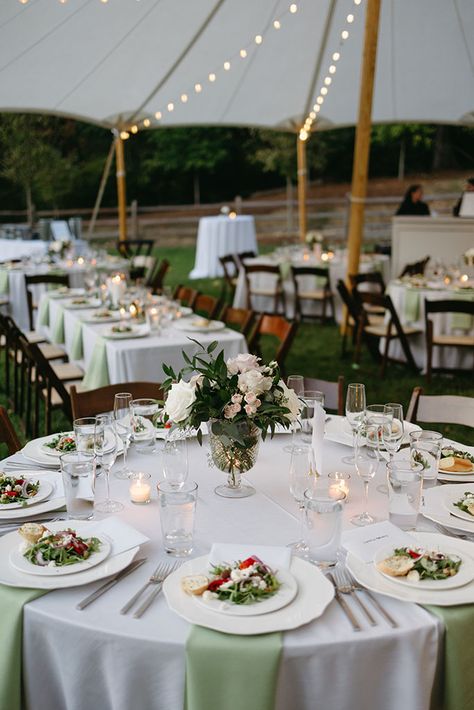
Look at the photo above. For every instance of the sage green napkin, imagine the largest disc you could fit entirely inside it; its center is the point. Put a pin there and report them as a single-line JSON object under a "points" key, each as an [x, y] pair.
{"points": [[12, 600], [43, 310], [411, 305], [462, 321], [3, 281], [458, 686], [231, 672], [97, 374], [285, 269], [77, 350], [57, 334]]}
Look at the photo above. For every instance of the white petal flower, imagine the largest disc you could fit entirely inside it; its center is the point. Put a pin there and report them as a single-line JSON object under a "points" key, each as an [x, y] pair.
{"points": [[180, 398]]}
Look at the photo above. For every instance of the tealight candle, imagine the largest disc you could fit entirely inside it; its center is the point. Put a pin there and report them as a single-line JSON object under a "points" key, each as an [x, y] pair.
{"points": [[80, 260], [140, 488], [464, 278], [339, 484], [324, 256], [154, 318]]}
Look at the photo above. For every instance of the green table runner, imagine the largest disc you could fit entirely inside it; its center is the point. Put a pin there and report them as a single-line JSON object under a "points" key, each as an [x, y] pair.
{"points": [[97, 374], [411, 305], [4, 281], [43, 311], [231, 672], [12, 600], [57, 333], [77, 350]]}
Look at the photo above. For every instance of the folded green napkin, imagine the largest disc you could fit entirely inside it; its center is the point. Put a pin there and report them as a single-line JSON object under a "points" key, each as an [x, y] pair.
{"points": [[57, 333], [411, 305], [231, 672], [97, 374], [12, 600], [3, 281], [43, 310], [458, 676], [77, 351]]}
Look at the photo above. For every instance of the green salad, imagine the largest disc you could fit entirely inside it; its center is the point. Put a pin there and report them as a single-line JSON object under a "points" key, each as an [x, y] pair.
{"points": [[62, 442], [429, 564], [62, 548], [466, 503], [17, 490], [243, 582]]}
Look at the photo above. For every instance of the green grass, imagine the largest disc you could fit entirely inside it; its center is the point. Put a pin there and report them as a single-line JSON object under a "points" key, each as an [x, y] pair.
{"points": [[316, 352]]}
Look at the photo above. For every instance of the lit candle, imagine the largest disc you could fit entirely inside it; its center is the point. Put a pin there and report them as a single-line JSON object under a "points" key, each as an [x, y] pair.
{"points": [[340, 484], [232, 215], [140, 488], [464, 278], [133, 310], [80, 260], [324, 257]]}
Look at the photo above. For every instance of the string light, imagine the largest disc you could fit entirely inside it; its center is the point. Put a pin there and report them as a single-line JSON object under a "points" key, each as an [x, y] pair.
{"points": [[323, 91], [197, 88], [276, 24], [327, 80], [336, 56], [124, 135], [184, 98], [243, 53], [332, 69], [293, 8], [344, 34], [134, 129], [146, 122], [158, 115], [258, 39], [226, 66], [212, 77], [170, 107], [350, 18]]}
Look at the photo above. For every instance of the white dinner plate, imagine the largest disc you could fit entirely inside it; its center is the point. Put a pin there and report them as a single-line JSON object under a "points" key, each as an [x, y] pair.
{"points": [[435, 509], [368, 576], [20, 563], [25, 514], [33, 450], [337, 429], [52, 452], [44, 491], [14, 578], [459, 474], [185, 311], [90, 303], [280, 599], [94, 319], [314, 594], [464, 575], [451, 497], [194, 325], [456, 477], [136, 332], [67, 293]]}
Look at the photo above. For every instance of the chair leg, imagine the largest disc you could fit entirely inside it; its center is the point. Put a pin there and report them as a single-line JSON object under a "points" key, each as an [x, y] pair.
{"points": [[383, 366]]}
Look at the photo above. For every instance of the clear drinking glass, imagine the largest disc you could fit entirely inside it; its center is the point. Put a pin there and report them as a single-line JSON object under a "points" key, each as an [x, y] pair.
{"points": [[78, 474], [425, 448], [323, 519], [177, 512], [302, 477], [105, 448], [393, 429], [84, 433], [310, 399], [366, 469], [405, 483], [355, 414], [123, 426], [175, 462], [144, 417], [296, 383]]}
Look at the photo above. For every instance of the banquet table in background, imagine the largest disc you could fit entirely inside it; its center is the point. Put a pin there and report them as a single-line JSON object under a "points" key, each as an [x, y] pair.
{"points": [[337, 270], [218, 236], [99, 658], [409, 302], [22, 248]]}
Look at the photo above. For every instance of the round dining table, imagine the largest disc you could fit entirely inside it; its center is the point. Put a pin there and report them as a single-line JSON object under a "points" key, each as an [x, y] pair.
{"points": [[219, 236], [99, 658]]}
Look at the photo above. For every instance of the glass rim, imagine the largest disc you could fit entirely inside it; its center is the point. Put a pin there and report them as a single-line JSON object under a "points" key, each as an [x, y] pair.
{"points": [[425, 434], [406, 466], [80, 421], [139, 476], [185, 487], [86, 455], [320, 497], [138, 402]]}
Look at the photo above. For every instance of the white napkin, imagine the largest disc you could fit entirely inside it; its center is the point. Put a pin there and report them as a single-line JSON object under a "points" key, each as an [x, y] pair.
{"points": [[364, 542], [122, 535], [274, 557], [319, 417]]}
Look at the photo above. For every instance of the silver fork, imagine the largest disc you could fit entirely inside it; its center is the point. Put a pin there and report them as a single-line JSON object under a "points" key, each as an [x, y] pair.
{"points": [[388, 617], [155, 578], [345, 586], [453, 533], [142, 609]]}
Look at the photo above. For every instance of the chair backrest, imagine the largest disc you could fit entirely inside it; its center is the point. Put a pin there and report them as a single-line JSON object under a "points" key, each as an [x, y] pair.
{"points": [[372, 277], [144, 262], [348, 300], [242, 255], [156, 280], [60, 231], [48, 375], [317, 271], [8, 434], [135, 247], [417, 267], [98, 401], [32, 280], [241, 317], [449, 306], [333, 392], [186, 295], [207, 306], [230, 269], [281, 329], [440, 409]]}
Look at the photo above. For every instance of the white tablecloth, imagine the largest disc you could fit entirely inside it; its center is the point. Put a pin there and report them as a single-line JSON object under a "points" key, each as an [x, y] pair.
{"points": [[452, 357], [98, 658], [19, 248], [218, 236], [337, 270]]}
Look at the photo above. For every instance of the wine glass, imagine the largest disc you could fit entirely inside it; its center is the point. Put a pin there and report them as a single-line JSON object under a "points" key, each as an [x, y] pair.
{"points": [[302, 476], [355, 413], [377, 415], [366, 469], [296, 383], [175, 462], [105, 449], [393, 429], [123, 425]]}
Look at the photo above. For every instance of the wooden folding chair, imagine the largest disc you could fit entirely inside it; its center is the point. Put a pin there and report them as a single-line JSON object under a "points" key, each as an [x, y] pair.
{"points": [[319, 294], [240, 318], [333, 392], [93, 402], [276, 293], [230, 269], [31, 280], [278, 327], [156, 280], [8, 434], [441, 340], [129, 248], [186, 295], [440, 409], [207, 306]]}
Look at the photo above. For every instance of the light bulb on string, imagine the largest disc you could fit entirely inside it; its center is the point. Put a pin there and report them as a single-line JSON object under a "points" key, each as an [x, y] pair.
{"points": [[258, 39], [276, 24], [212, 77], [197, 88], [332, 69], [158, 115], [293, 8], [336, 56], [170, 107], [344, 34], [323, 91], [134, 129], [327, 80], [226, 66], [146, 122], [243, 53], [350, 18], [184, 98]]}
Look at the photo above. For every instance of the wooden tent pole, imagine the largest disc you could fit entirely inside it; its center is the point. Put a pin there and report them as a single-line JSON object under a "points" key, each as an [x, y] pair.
{"points": [[100, 194], [301, 163], [362, 140], [121, 187]]}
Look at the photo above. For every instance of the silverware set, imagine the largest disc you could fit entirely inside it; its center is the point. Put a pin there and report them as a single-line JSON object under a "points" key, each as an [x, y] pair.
{"points": [[156, 580]]}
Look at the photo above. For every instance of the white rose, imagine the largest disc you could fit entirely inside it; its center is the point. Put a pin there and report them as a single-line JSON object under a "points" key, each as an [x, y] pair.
{"points": [[242, 363], [180, 398], [291, 401], [254, 381]]}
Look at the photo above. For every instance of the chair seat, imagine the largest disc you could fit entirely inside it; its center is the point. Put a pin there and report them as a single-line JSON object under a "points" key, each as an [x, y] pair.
{"points": [[318, 295], [376, 319], [52, 352], [33, 336], [381, 330], [68, 371], [461, 340], [56, 400], [376, 310], [4, 301], [265, 292]]}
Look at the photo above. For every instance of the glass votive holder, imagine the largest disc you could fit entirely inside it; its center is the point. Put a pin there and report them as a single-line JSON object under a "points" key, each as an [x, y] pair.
{"points": [[140, 488], [339, 483]]}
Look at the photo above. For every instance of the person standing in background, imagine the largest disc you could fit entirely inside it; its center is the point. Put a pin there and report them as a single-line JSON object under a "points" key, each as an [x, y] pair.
{"points": [[413, 204], [469, 187]]}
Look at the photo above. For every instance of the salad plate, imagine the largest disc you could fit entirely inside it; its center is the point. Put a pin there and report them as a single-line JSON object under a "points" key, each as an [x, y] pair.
{"points": [[34, 491], [66, 292], [460, 503], [449, 476], [337, 429], [79, 303], [33, 451], [314, 594], [126, 331], [199, 325], [59, 444], [368, 576], [103, 316], [435, 508]]}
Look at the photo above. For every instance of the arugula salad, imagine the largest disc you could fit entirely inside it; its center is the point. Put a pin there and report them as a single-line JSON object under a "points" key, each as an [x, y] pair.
{"points": [[466, 503], [243, 582], [17, 490], [62, 442], [62, 548], [428, 564]]}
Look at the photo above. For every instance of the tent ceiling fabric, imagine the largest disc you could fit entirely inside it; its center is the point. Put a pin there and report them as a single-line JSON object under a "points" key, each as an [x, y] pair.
{"points": [[101, 62]]}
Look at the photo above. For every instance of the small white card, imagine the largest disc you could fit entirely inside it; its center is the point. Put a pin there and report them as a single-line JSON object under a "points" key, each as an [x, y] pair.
{"points": [[364, 542], [122, 535]]}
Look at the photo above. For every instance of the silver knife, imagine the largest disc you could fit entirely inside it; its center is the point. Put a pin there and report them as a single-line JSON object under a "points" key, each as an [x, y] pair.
{"points": [[108, 585]]}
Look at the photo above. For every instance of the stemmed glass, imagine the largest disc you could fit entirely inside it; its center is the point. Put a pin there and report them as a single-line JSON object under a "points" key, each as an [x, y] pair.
{"points": [[302, 476], [105, 449], [296, 383], [175, 462], [366, 471], [355, 413], [123, 425], [393, 429]]}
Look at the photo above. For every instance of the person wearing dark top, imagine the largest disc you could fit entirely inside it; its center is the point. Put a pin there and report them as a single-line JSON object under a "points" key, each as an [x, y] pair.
{"points": [[413, 204], [468, 188]]}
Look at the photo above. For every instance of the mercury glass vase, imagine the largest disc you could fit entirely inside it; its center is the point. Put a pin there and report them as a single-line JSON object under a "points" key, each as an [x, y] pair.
{"points": [[234, 457]]}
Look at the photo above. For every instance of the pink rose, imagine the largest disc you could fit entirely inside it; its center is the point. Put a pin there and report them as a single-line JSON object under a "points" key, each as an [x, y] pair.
{"points": [[242, 363], [236, 398]]}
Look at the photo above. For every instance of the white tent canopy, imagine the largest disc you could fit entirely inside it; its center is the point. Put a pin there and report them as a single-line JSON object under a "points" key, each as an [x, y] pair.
{"points": [[119, 62]]}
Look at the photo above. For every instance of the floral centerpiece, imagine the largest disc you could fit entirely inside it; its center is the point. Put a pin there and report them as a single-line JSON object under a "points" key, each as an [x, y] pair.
{"points": [[469, 257], [315, 240], [58, 248], [241, 400]]}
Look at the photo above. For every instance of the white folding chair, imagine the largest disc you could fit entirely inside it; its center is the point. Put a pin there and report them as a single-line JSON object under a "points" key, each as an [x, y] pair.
{"points": [[440, 409]]}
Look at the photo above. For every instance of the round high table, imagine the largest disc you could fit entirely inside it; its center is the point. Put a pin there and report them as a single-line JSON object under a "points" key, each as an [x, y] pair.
{"points": [[218, 236], [100, 658]]}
